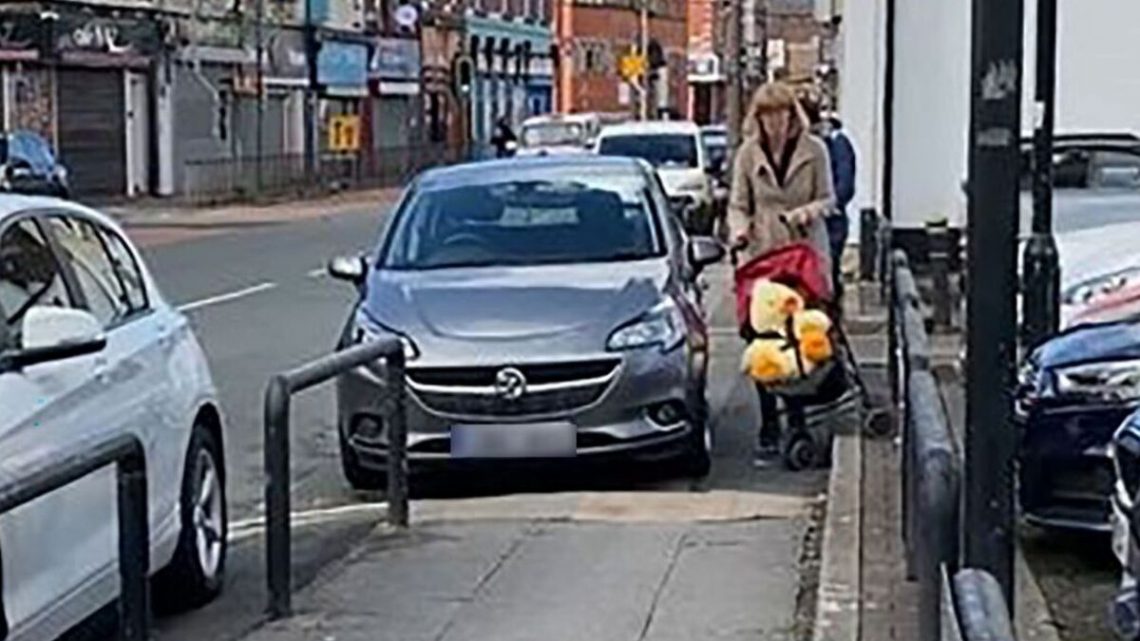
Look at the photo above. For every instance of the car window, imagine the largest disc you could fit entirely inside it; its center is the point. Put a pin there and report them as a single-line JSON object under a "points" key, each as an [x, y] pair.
{"points": [[128, 271], [660, 150], [85, 252], [29, 277], [563, 219]]}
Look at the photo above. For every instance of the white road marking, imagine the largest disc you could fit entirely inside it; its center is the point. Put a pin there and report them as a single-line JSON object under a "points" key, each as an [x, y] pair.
{"points": [[247, 528], [319, 272], [225, 298]]}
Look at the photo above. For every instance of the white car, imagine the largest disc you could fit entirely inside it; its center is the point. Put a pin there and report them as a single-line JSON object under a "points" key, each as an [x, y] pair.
{"points": [[677, 151], [558, 134], [89, 349]]}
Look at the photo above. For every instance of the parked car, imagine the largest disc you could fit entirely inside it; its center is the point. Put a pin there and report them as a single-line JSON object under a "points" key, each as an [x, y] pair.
{"points": [[89, 349], [715, 138], [677, 151], [1125, 453], [1073, 393], [549, 308], [558, 134], [28, 166]]}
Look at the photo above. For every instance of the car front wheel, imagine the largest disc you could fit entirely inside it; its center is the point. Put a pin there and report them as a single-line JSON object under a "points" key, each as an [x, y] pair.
{"points": [[195, 575]]}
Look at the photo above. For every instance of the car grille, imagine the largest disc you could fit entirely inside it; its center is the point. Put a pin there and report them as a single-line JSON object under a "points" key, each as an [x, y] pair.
{"points": [[536, 374], [552, 389]]}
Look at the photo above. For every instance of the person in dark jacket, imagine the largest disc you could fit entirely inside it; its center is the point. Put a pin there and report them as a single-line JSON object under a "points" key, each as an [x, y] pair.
{"points": [[504, 139], [842, 156]]}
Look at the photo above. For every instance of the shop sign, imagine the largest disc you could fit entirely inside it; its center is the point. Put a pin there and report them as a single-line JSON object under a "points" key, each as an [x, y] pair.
{"points": [[342, 64], [285, 55], [396, 59], [113, 36], [19, 31], [344, 133]]}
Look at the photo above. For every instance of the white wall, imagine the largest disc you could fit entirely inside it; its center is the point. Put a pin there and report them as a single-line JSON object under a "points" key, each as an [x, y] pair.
{"points": [[1098, 87], [931, 111], [861, 54]]}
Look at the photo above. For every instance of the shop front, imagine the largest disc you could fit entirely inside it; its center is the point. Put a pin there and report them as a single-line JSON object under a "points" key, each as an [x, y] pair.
{"points": [[84, 81], [396, 88], [342, 78]]}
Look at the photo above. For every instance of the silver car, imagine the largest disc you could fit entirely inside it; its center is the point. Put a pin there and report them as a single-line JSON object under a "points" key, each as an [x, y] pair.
{"points": [[550, 309]]}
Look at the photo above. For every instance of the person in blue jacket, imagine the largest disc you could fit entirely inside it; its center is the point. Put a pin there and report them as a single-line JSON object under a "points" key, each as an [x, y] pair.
{"points": [[842, 155]]}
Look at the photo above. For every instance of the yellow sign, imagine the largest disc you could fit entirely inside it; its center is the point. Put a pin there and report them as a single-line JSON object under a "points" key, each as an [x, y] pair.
{"points": [[344, 133], [631, 65]]}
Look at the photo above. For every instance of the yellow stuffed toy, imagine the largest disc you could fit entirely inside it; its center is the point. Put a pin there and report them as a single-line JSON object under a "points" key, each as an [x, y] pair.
{"points": [[811, 329], [811, 320], [771, 305], [769, 360]]}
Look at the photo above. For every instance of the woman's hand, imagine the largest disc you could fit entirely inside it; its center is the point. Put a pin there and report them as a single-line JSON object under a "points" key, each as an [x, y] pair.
{"points": [[804, 216]]}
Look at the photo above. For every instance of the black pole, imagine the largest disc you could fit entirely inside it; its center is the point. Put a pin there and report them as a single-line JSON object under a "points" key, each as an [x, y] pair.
{"points": [[134, 549], [1040, 267], [888, 106], [993, 191], [397, 444], [277, 501]]}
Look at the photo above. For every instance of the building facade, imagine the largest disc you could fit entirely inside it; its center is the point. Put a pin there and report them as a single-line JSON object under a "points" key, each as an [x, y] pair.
{"points": [[593, 35], [705, 69]]}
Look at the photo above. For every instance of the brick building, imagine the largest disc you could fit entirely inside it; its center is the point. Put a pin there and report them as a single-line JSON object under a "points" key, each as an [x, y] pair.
{"points": [[592, 37], [706, 72]]}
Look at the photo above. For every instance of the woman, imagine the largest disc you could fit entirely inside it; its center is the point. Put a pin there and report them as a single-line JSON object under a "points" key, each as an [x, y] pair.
{"points": [[781, 193]]}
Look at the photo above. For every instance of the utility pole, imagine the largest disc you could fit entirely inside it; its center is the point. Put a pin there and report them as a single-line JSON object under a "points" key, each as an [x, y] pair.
{"points": [[735, 90], [644, 46], [1040, 266], [259, 36], [995, 132], [310, 106]]}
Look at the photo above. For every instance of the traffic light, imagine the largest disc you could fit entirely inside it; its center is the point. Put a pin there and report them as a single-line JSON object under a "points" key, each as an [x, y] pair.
{"points": [[462, 75]]}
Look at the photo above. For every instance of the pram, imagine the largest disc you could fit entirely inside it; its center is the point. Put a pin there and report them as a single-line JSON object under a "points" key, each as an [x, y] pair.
{"points": [[833, 396]]}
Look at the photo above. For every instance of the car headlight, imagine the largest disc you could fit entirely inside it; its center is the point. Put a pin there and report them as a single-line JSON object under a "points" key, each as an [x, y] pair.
{"points": [[1113, 381], [1105, 285], [663, 325], [366, 329]]}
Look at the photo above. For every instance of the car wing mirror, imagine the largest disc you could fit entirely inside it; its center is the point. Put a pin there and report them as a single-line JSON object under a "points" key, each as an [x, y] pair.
{"points": [[352, 269], [705, 251], [51, 334]]}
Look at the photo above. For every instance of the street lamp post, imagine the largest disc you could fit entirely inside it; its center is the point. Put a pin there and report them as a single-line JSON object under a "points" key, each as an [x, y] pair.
{"points": [[995, 127], [1040, 265], [259, 36]]}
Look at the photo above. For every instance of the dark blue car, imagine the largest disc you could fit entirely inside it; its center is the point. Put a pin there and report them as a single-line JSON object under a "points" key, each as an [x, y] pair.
{"points": [[1073, 393]]}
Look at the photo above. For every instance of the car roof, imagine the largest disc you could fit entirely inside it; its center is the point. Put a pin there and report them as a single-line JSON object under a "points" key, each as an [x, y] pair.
{"points": [[13, 204], [548, 118], [649, 127], [523, 168]]}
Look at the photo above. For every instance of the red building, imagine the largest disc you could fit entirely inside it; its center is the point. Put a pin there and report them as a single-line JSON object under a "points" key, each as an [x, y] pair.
{"points": [[593, 35], [705, 69]]}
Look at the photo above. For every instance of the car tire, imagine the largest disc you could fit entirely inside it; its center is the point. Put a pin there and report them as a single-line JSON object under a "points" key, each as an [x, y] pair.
{"points": [[196, 574], [359, 477], [696, 461]]}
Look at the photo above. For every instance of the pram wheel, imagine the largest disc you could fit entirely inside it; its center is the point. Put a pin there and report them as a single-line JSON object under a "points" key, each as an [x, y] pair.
{"points": [[878, 422], [800, 453]]}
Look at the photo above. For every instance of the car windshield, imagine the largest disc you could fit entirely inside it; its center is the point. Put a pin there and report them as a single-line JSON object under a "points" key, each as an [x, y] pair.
{"points": [[660, 150], [581, 217], [553, 133]]}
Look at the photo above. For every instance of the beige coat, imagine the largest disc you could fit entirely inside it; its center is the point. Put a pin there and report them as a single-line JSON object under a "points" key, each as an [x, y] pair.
{"points": [[757, 201]]}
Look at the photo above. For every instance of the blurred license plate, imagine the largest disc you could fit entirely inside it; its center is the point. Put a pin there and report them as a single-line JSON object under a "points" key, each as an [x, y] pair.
{"points": [[528, 440]]}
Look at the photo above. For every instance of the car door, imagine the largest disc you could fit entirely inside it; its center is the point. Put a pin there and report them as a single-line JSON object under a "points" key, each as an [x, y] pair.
{"points": [[47, 409], [133, 362]]}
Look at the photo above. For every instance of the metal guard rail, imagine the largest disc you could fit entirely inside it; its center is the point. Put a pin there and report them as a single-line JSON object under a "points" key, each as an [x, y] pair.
{"points": [[126, 452], [278, 397]]}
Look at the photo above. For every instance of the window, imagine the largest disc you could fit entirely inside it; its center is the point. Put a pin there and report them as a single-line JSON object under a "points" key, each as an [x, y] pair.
{"points": [[660, 150], [1117, 169], [537, 220], [128, 271], [29, 277], [32, 149], [99, 282]]}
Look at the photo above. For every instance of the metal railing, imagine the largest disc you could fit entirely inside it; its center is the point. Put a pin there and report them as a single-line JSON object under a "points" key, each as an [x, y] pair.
{"points": [[126, 453], [278, 397], [229, 179], [930, 463]]}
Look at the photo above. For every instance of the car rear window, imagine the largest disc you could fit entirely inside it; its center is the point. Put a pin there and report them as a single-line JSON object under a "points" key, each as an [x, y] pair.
{"points": [[660, 150]]}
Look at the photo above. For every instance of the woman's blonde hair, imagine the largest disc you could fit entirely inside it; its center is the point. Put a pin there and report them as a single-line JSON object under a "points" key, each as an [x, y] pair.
{"points": [[773, 97]]}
